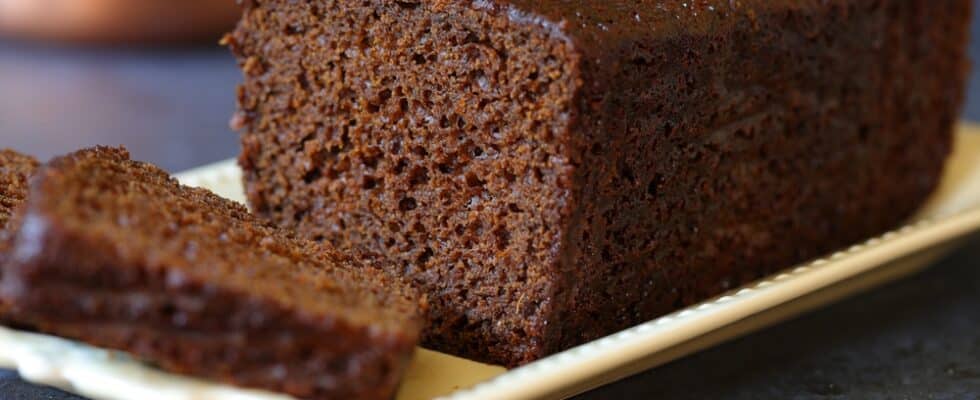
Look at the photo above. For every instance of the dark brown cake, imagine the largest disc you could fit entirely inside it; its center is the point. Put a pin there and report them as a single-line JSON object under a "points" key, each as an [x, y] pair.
{"points": [[116, 253], [551, 171], [15, 168]]}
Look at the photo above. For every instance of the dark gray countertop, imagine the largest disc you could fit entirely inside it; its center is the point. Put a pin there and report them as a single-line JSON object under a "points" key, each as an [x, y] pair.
{"points": [[915, 339]]}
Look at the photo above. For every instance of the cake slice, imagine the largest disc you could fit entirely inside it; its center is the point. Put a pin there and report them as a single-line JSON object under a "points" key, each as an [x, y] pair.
{"points": [[15, 169], [117, 254], [552, 171]]}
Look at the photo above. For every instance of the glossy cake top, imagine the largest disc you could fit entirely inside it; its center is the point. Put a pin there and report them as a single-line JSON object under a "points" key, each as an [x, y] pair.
{"points": [[596, 26]]}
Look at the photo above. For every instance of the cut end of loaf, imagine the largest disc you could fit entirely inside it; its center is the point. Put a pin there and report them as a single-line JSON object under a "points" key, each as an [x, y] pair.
{"points": [[431, 132]]}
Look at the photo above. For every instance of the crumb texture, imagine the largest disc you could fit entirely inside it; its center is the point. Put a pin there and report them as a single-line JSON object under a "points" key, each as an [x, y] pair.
{"points": [[552, 171], [390, 127], [15, 169]]}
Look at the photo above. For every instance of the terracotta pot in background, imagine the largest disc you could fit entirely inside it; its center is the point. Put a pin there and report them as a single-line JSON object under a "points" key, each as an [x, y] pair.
{"points": [[118, 21]]}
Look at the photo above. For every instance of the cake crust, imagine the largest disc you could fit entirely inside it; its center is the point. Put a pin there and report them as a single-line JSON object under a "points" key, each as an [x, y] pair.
{"points": [[550, 172]]}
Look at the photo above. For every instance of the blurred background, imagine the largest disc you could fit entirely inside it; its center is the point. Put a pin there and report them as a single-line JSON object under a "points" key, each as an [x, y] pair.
{"points": [[149, 74]]}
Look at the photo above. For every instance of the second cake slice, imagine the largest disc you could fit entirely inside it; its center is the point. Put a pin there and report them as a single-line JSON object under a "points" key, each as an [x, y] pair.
{"points": [[119, 255]]}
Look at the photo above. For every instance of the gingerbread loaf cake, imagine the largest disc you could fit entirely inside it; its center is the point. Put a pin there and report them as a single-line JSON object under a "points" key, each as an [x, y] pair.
{"points": [[552, 171], [117, 254]]}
